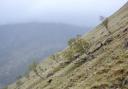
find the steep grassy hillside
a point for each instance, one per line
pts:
(101, 64)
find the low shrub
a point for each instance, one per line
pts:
(77, 46)
(19, 83)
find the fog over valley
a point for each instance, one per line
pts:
(21, 44)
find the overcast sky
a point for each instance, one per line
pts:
(79, 12)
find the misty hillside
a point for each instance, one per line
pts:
(97, 60)
(21, 44)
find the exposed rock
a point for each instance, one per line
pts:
(126, 43)
(97, 47)
(76, 55)
(102, 86)
(125, 30)
(107, 41)
(50, 80)
(49, 75)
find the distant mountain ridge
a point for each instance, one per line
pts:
(20, 44)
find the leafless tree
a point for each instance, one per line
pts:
(105, 22)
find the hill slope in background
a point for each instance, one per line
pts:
(104, 66)
(21, 44)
